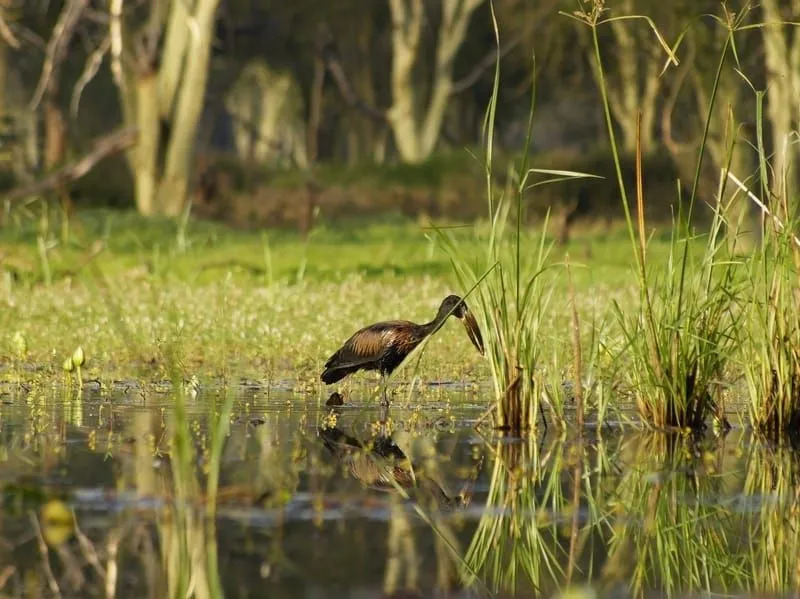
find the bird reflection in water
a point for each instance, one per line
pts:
(380, 464)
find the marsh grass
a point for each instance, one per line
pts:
(682, 333)
(512, 285)
(771, 344)
(228, 301)
(772, 339)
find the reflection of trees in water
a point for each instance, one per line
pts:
(631, 513)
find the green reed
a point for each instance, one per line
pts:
(511, 284)
(771, 349)
(771, 345)
(682, 332)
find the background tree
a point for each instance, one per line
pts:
(782, 62)
(417, 123)
(162, 85)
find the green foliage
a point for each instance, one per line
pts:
(771, 348)
(510, 285)
(683, 332)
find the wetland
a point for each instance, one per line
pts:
(195, 453)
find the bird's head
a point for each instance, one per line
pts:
(457, 307)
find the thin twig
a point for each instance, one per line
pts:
(90, 69)
(345, 87)
(484, 64)
(759, 203)
(57, 48)
(485, 415)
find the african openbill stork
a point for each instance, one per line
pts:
(384, 345)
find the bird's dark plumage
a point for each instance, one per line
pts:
(384, 345)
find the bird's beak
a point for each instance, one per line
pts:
(472, 330)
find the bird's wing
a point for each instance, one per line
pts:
(368, 344)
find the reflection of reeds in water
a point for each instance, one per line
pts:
(773, 481)
(668, 528)
(658, 512)
(186, 525)
(518, 533)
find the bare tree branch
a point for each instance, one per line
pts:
(93, 62)
(102, 148)
(57, 47)
(484, 64)
(674, 146)
(348, 93)
(115, 33)
(7, 34)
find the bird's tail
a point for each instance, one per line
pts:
(333, 374)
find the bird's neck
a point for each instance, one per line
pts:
(437, 322)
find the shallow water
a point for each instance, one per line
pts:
(330, 502)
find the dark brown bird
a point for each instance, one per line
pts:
(384, 345)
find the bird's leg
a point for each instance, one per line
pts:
(544, 418)
(384, 384)
(384, 409)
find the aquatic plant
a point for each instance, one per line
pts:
(771, 347)
(681, 333)
(509, 285)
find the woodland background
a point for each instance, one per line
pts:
(263, 113)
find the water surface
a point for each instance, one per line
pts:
(108, 495)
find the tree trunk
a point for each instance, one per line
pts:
(188, 107)
(417, 127)
(402, 116)
(166, 91)
(637, 86)
(172, 57)
(782, 58)
(144, 157)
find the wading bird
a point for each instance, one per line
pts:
(384, 345)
